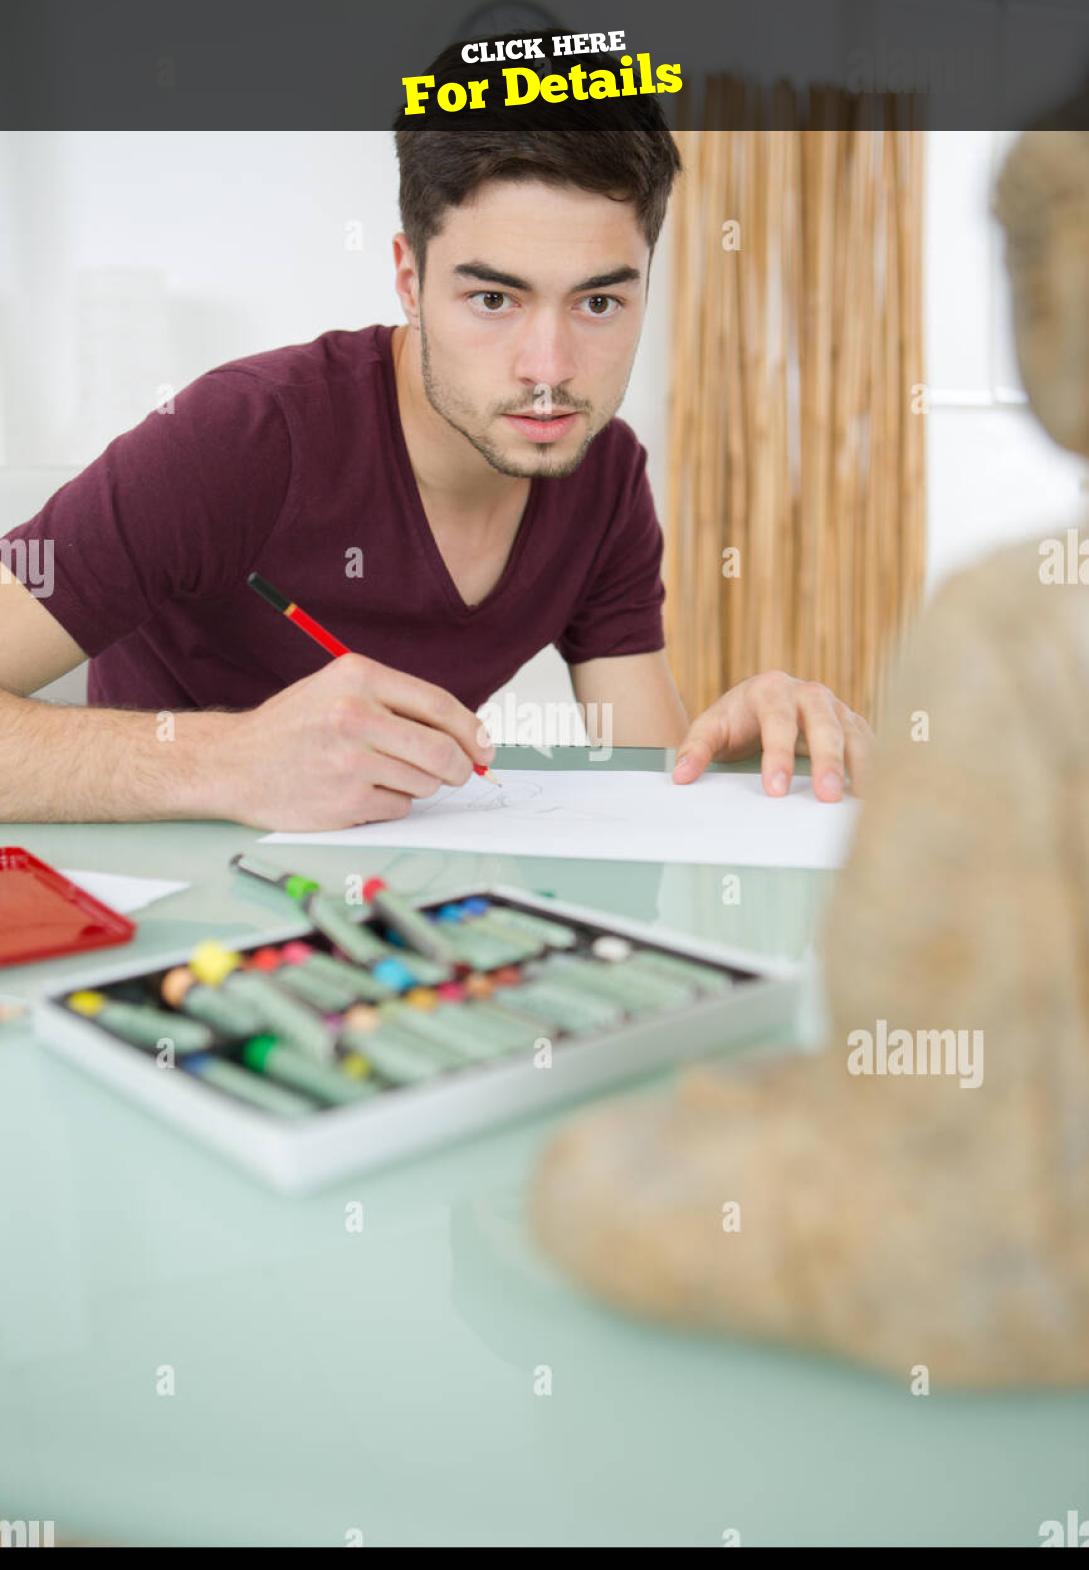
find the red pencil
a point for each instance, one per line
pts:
(320, 634)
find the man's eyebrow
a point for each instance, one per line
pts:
(483, 273)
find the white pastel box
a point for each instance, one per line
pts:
(301, 1155)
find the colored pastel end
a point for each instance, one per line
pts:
(299, 887)
(257, 1050)
(422, 997)
(86, 1002)
(372, 887)
(393, 974)
(175, 984)
(211, 963)
(295, 952)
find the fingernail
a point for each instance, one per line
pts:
(832, 784)
(683, 761)
(779, 783)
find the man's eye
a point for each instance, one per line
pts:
(491, 299)
(596, 300)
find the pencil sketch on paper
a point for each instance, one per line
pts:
(621, 815)
(519, 798)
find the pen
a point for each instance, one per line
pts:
(320, 634)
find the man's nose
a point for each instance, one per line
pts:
(545, 358)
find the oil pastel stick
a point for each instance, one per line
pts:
(475, 945)
(364, 984)
(291, 971)
(397, 1057)
(329, 916)
(569, 1008)
(142, 1025)
(267, 1055)
(706, 977)
(418, 932)
(244, 1086)
(639, 993)
(281, 1014)
(228, 1016)
(450, 1025)
(554, 933)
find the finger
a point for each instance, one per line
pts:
(778, 737)
(858, 741)
(405, 778)
(382, 805)
(695, 752)
(429, 705)
(427, 752)
(824, 735)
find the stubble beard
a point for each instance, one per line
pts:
(544, 465)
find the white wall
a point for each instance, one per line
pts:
(993, 474)
(134, 261)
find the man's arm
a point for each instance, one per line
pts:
(633, 700)
(64, 764)
(34, 647)
(353, 743)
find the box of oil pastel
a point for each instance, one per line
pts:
(304, 1057)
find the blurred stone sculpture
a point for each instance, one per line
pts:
(937, 1212)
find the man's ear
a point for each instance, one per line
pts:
(406, 279)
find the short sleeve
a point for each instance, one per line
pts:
(619, 610)
(178, 506)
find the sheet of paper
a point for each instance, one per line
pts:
(120, 892)
(618, 815)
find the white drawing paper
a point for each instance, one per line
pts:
(617, 815)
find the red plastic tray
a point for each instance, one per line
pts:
(42, 913)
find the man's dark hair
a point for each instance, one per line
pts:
(617, 147)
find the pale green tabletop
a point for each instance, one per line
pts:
(330, 1383)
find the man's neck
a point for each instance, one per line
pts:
(451, 475)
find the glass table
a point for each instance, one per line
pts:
(188, 1358)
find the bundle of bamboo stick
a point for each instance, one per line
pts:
(795, 520)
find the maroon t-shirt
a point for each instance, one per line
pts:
(292, 463)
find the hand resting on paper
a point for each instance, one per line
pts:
(783, 715)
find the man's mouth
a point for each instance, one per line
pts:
(531, 414)
(543, 427)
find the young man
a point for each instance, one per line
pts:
(447, 497)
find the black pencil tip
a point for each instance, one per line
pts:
(267, 592)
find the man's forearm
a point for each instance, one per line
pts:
(630, 701)
(76, 765)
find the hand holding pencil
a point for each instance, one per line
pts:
(356, 742)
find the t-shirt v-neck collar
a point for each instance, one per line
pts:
(418, 517)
